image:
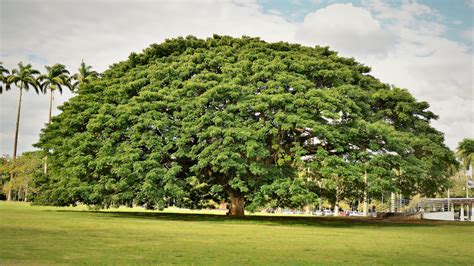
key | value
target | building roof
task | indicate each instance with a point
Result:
(447, 200)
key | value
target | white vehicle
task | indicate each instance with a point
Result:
(318, 213)
(355, 213)
(328, 213)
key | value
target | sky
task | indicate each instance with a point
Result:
(425, 46)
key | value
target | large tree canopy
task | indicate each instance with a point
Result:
(256, 123)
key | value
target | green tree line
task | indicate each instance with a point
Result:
(25, 77)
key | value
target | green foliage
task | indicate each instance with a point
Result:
(458, 185)
(84, 75)
(4, 175)
(465, 152)
(55, 78)
(191, 120)
(24, 77)
(26, 169)
(3, 78)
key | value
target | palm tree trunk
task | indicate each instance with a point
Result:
(15, 145)
(50, 105)
(49, 122)
(17, 124)
(472, 176)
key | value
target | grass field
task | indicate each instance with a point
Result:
(48, 235)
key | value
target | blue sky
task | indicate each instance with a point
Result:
(457, 15)
(425, 46)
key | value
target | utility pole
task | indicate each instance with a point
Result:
(469, 181)
(449, 200)
(382, 203)
(467, 186)
(366, 204)
(467, 190)
(392, 202)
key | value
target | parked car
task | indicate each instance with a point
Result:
(355, 213)
(328, 213)
(318, 213)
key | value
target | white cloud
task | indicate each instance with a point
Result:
(345, 28)
(420, 59)
(105, 32)
(432, 67)
(403, 45)
(468, 35)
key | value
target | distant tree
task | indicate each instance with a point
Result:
(85, 75)
(465, 153)
(3, 78)
(4, 176)
(23, 78)
(458, 185)
(239, 119)
(25, 169)
(56, 78)
(340, 179)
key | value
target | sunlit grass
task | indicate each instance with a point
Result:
(49, 235)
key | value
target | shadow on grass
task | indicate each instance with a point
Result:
(335, 222)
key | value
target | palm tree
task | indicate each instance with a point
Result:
(55, 78)
(3, 79)
(23, 78)
(465, 154)
(85, 75)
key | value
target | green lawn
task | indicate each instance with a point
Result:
(48, 235)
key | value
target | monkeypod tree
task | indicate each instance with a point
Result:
(237, 119)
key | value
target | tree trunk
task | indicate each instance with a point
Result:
(49, 122)
(50, 105)
(236, 205)
(392, 202)
(17, 124)
(467, 181)
(45, 170)
(15, 145)
(237, 202)
(26, 193)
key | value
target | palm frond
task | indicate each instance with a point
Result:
(56, 77)
(465, 152)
